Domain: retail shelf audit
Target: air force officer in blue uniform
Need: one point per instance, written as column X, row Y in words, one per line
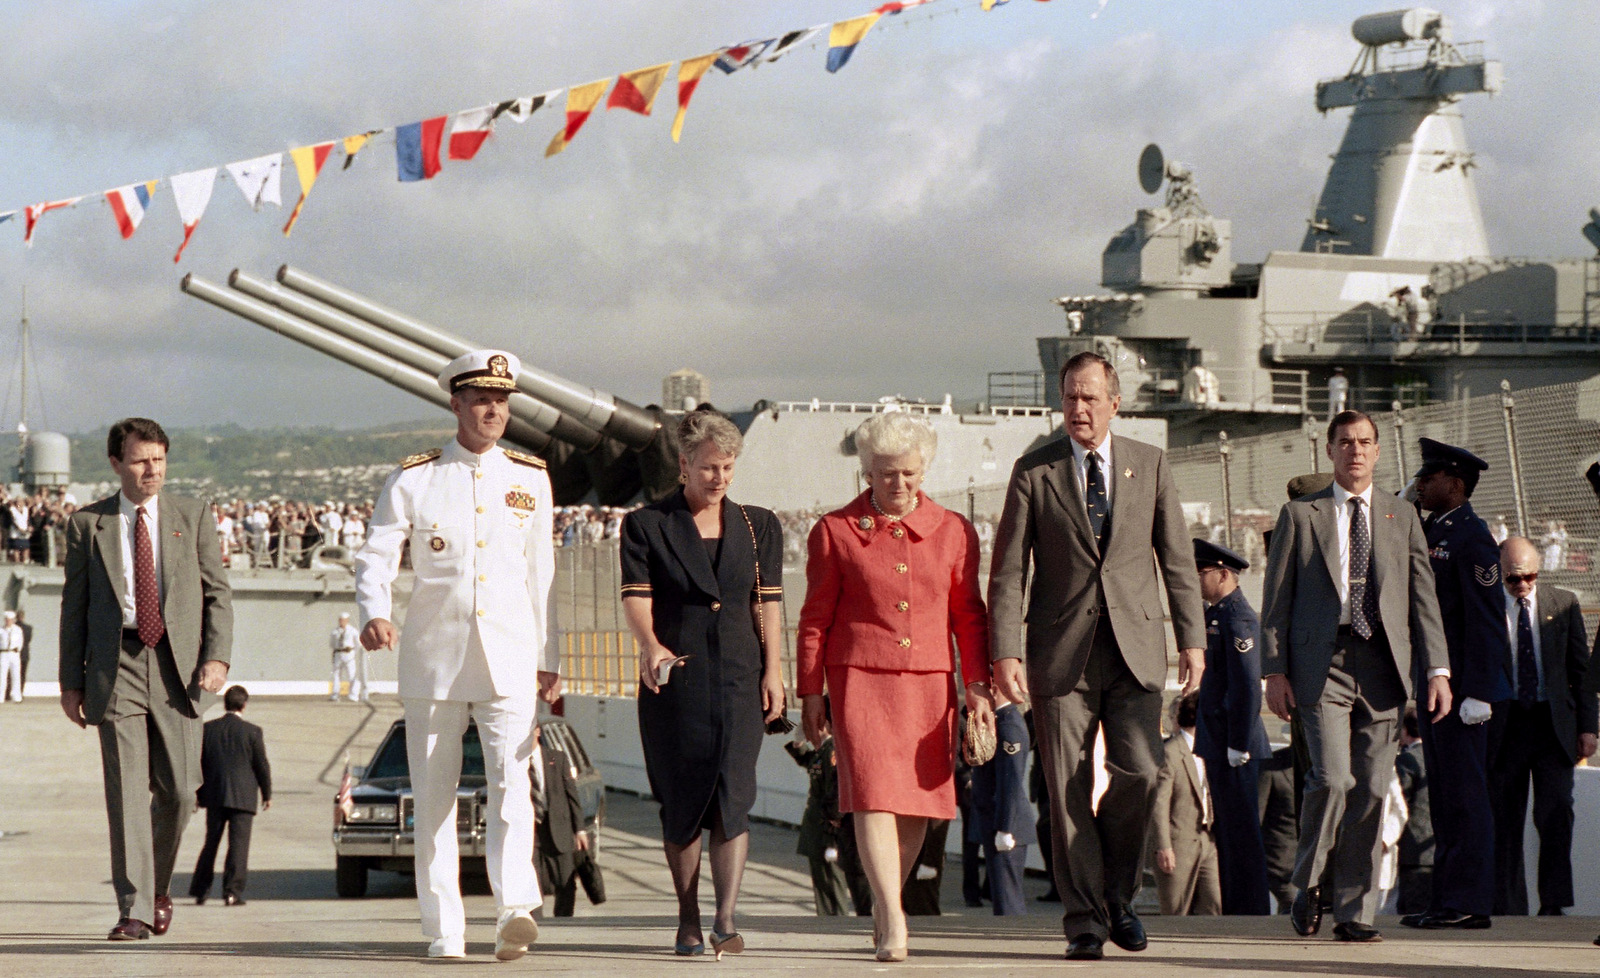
column 1229, row 735
column 1002, row 815
column 1466, row 572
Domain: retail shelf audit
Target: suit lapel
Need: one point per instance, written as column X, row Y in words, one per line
column 1193, row 775
column 1062, row 477
column 684, row 538
column 1325, row 530
column 1386, row 544
column 169, row 528
column 1552, row 639
column 108, row 538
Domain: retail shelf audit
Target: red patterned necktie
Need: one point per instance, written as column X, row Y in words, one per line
column 146, row 596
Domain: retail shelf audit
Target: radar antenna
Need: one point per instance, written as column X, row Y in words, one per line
column 1183, row 199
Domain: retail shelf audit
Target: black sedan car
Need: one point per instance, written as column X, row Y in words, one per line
column 377, row 832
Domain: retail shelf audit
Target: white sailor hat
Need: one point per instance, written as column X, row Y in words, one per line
column 494, row 369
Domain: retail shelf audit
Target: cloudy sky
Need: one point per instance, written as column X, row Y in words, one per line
column 900, row 227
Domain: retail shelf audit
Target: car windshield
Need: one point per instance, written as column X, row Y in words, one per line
column 391, row 760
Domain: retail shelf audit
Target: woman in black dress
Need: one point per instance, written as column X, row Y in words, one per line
column 708, row 665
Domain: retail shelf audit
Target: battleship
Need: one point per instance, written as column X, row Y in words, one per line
column 1392, row 298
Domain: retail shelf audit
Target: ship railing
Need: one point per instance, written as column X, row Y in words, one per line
column 1372, row 327
column 1369, row 398
column 861, row 407
column 1016, row 388
column 605, row 662
column 1245, row 389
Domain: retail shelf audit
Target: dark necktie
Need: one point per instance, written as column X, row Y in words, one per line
column 1527, row 668
column 146, row 596
column 1094, row 496
column 1363, row 596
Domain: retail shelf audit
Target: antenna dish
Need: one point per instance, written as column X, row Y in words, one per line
column 1152, row 168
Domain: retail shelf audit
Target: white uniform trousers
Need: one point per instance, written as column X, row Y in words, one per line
column 433, row 742
column 11, row 675
column 344, row 667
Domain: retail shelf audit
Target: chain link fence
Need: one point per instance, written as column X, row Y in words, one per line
column 1537, row 441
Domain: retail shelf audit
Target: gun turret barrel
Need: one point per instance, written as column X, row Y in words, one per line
column 626, row 422
column 385, row 368
column 532, row 410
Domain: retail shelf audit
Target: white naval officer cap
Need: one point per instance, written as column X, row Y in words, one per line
column 493, row 369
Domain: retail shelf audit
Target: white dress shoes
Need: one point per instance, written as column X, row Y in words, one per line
column 448, row 947
column 515, row 931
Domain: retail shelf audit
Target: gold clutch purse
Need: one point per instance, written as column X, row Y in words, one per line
column 977, row 742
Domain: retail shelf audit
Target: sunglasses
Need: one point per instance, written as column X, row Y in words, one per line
column 1519, row 578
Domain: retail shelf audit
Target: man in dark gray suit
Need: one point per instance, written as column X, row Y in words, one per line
column 146, row 625
column 1094, row 515
column 1541, row 733
column 1349, row 606
column 233, row 762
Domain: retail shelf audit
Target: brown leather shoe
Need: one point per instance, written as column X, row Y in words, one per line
column 128, row 929
column 163, row 916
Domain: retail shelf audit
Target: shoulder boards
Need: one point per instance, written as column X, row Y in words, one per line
column 421, row 458
column 522, row 458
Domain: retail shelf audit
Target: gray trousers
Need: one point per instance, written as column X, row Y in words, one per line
column 1099, row 858
column 1352, row 733
column 150, row 755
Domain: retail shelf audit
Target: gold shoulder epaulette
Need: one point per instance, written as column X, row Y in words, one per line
column 421, row 458
column 523, row 458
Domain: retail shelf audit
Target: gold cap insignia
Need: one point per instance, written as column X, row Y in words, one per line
column 498, row 367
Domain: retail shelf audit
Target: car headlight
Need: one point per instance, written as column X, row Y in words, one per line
column 374, row 813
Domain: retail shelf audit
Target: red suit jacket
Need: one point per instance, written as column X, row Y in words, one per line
column 890, row 595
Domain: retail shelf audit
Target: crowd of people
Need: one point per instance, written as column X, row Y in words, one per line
column 904, row 663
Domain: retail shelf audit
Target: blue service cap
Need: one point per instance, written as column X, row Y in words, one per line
column 1208, row 554
column 1439, row 457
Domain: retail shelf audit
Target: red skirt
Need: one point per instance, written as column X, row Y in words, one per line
column 895, row 740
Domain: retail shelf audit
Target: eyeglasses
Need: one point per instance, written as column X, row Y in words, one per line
column 1519, row 578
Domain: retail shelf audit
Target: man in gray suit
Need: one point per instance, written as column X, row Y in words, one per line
column 146, row 624
column 1094, row 515
column 1350, row 606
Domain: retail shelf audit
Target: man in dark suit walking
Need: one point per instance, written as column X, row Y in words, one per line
column 558, row 816
column 1541, row 734
column 233, row 763
column 1092, row 516
column 146, row 625
column 1349, row 607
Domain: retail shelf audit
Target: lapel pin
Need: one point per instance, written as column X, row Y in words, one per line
column 1388, row 516
column 865, row 523
column 1127, row 473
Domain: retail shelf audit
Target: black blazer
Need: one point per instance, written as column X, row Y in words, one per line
column 560, row 811
column 233, row 765
column 1564, row 651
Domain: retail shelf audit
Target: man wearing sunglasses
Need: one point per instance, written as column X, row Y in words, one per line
column 1466, row 573
column 1541, row 734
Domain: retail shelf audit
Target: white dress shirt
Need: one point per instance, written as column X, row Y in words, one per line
column 128, row 513
column 1200, row 776
column 1080, row 459
column 11, row 638
column 1512, row 611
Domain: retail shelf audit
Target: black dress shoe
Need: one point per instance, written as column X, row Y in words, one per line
column 1413, row 919
column 229, row 900
column 163, row 919
column 1051, row 896
column 1087, row 947
column 1357, row 932
column 1451, row 920
column 128, row 929
column 1306, row 912
column 1126, row 930
column 199, row 899
column 1552, row 912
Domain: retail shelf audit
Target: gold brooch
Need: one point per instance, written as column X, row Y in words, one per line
column 865, row 523
column 437, row 543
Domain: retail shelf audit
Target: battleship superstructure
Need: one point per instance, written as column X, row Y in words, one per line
column 1393, row 283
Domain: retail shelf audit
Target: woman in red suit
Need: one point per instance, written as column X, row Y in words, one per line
column 890, row 578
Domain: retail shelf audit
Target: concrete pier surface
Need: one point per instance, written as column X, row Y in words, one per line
column 56, row 903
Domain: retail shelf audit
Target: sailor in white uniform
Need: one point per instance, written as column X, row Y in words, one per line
column 343, row 642
column 479, row 641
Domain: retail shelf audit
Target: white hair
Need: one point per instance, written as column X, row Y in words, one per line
column 894, row 433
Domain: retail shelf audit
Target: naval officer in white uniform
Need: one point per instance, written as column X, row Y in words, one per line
column 479, row 641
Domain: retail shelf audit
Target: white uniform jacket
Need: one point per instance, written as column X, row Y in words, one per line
column 481, row 621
